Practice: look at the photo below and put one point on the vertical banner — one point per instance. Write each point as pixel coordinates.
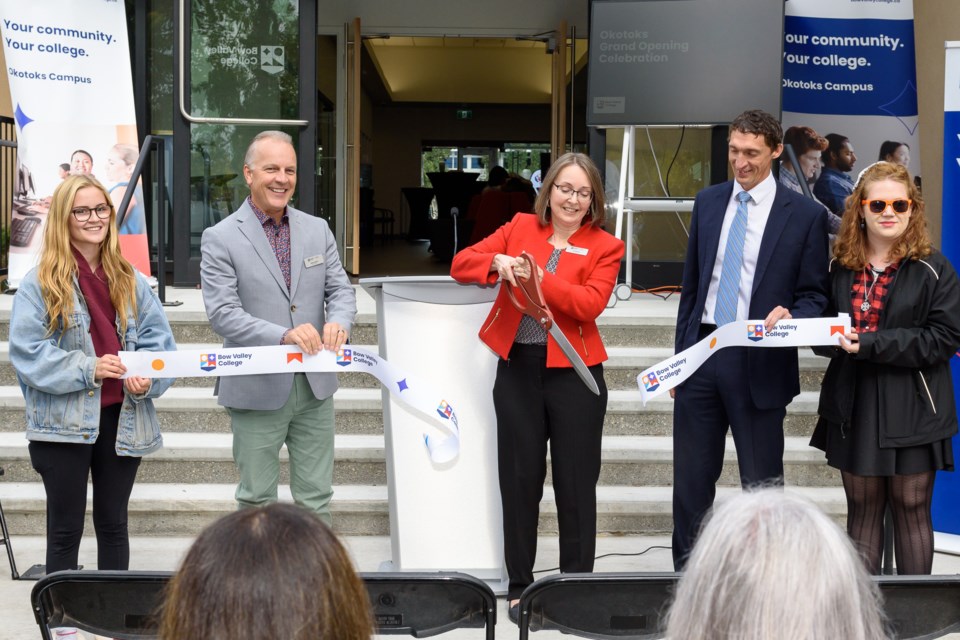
(849, 68)
(68, 64)
(946, 490)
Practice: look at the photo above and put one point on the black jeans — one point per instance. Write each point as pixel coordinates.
(64, 468)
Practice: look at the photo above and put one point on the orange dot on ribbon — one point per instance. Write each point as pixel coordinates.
(713, 342)
(157, 364)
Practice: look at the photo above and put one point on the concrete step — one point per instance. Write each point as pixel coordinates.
(184, 509)
(361, 460)
(359, 411)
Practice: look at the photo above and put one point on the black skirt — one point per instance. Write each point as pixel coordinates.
(856, 449)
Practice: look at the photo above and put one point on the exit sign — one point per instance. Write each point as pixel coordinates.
(464, 114)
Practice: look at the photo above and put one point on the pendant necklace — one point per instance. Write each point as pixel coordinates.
(865, 305)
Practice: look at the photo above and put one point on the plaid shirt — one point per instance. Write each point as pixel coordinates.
(278, 235)
(867, 321)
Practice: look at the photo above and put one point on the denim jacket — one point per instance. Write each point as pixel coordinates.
(56, 372)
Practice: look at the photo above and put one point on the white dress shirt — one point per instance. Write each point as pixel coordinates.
(758, 211)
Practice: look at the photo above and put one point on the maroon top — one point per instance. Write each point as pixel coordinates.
(103, 323)
(874, 296)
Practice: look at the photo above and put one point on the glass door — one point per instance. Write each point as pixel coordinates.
(239, 68)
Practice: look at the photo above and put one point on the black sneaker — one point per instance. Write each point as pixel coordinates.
(513, 612)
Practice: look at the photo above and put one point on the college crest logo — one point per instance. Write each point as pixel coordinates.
(272, 58)
(650, 382)
(755, 332)
(208, 361)
(344, 357)
(445, 410)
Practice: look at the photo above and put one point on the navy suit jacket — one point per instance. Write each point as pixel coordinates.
(791, 272)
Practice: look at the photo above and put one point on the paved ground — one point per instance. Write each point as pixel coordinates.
(17, 622)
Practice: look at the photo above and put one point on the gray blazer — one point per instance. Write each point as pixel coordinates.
(248, 303)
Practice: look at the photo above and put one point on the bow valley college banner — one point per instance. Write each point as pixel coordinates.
(946, 490)
(68, 63)
(849, 68)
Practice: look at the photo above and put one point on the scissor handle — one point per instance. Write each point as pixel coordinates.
(534, 306)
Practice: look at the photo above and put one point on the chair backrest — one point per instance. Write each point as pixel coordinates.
(921, 606)
(116, 604)
(598, 605)
(427, 604)
(124, 604)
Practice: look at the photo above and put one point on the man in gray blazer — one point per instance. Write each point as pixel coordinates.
(271, 275)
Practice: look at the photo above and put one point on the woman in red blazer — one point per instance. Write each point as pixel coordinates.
(537, 395)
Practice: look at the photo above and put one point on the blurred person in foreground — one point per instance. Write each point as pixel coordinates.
(72, 314)
(274, 572)
(770, 564)
(887, 411)
(537, 395)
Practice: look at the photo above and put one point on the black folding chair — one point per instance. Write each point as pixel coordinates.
(116, 604)
(598, 605)
(428, 604)
(921, 607)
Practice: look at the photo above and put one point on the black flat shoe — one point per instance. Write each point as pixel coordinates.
(513, 612)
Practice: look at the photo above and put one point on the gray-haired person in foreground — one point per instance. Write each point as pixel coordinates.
(770, 564)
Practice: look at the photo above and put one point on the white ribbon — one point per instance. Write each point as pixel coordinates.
(289, 359)
(804, 332)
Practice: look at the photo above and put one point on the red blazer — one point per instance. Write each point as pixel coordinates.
(576, 294)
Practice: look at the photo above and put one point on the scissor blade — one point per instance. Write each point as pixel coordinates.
(578, 365)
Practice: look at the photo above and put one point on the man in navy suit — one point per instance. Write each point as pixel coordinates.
(782, 274)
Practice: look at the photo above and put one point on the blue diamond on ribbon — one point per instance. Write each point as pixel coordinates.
(403, 385)
(904, 107)
(21, 117)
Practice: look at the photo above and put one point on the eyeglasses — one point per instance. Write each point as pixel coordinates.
(82, 214)
(879, 206)
(567, 191)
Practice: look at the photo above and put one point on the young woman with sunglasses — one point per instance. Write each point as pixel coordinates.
(81, 305)
(887, 408)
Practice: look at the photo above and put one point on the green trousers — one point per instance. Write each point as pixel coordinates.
(306, 426)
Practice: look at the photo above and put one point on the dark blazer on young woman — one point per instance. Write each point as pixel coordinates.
(918, 334)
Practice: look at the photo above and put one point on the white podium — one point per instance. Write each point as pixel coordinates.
(442, 517)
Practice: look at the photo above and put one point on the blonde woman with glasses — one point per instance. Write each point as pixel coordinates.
(72, 314)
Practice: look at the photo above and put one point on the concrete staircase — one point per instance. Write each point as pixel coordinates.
(191, 481)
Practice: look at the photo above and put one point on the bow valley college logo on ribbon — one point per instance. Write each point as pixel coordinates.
(755, 332)
(650, 382)
(344, 357)
(208, 361)
(445, 410)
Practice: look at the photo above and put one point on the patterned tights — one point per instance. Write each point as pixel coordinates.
(909, 498)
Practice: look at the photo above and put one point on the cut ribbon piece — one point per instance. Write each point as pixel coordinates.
(289, 359)
(795, 332)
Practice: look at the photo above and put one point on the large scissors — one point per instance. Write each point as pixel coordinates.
(535, 306)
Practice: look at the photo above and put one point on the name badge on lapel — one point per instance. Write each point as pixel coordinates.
(580, 251)
(313, 261)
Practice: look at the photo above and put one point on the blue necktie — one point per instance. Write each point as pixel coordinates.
(728, 293)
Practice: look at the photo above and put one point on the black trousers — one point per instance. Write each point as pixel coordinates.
(64, 468)
(717, 397)
(536, 405)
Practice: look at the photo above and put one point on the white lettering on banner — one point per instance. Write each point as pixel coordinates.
(805, 332)
(288, 359)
